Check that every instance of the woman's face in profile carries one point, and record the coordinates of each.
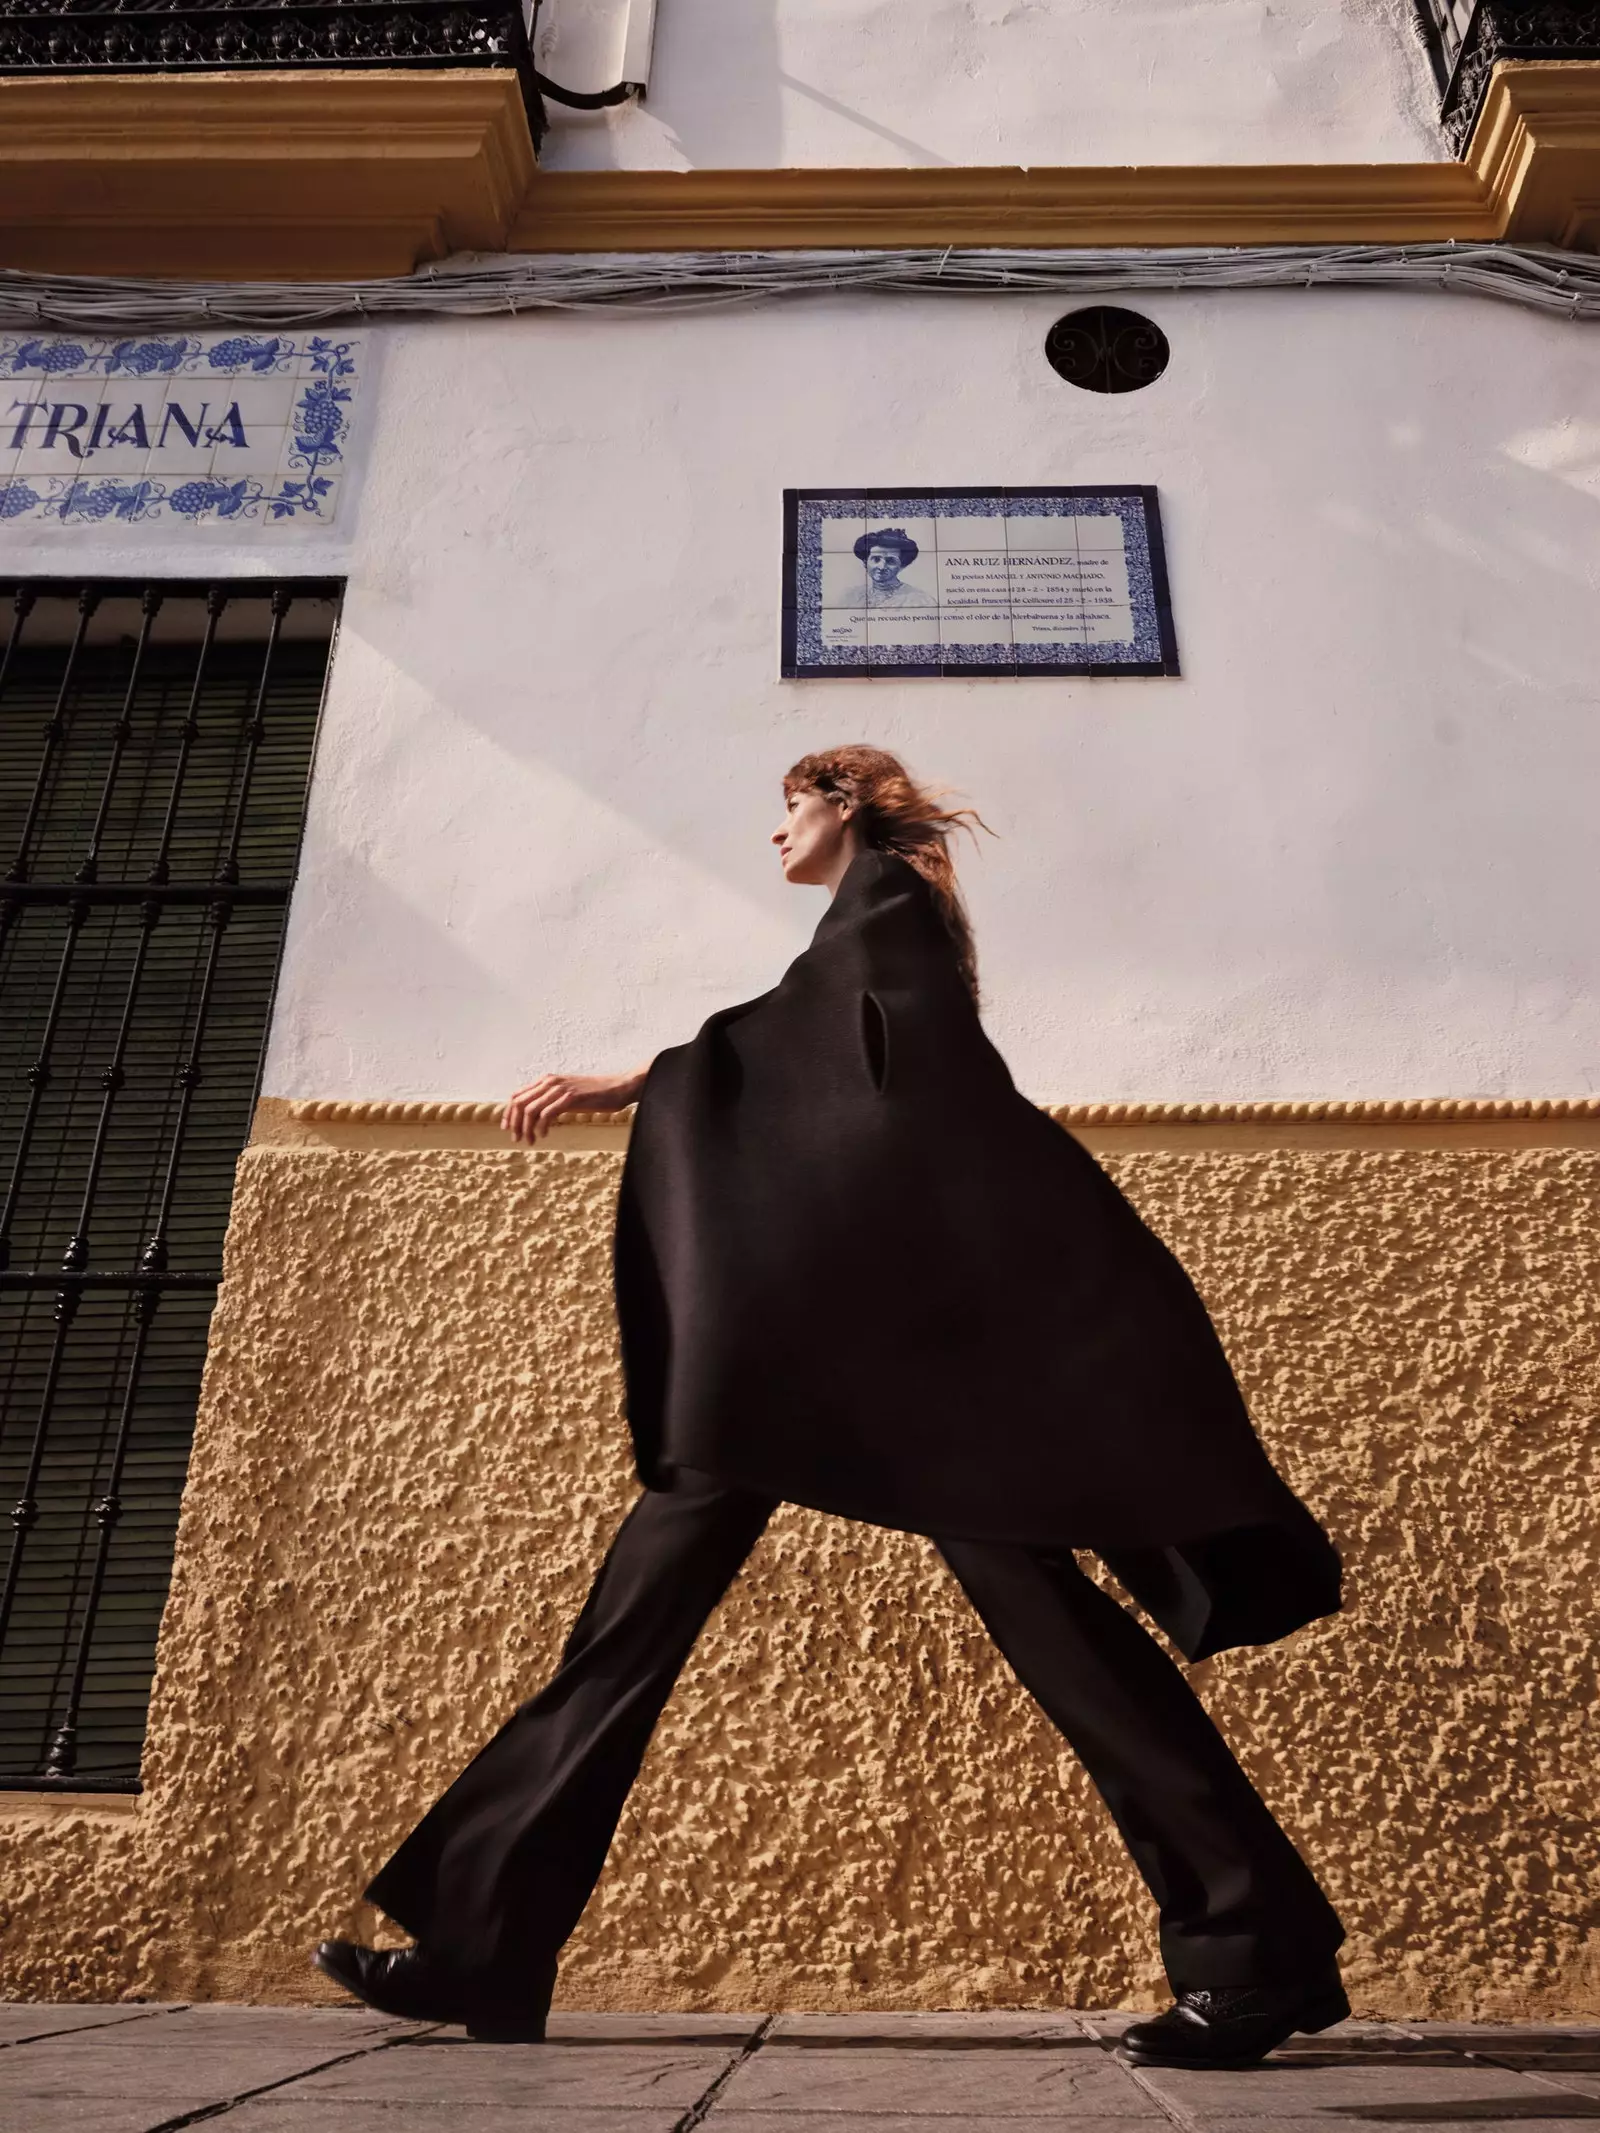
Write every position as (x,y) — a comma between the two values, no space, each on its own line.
(809,837)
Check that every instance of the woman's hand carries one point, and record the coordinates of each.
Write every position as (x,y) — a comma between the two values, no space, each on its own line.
(534,1110)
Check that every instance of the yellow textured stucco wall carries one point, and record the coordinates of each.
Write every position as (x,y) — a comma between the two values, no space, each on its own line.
(410,1458)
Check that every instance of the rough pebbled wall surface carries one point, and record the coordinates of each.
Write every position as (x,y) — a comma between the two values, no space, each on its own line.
(410,1457)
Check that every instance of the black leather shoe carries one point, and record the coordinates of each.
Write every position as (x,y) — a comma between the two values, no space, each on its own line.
(396,1981)
(1237,2028)
(409,1983)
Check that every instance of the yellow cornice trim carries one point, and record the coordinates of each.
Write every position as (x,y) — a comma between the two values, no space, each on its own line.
(323,175)
(751,210)
(1365,1110)
(297,173)
(1531,171)
(325,1126)
(1385,1110)
(1536,151)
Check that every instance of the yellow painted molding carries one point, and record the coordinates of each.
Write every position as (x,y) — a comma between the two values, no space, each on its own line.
(1114,1129)
(284,1123)
(1531,172)
(295,173)
(1355,1110)
(1394,1124)
(333,1111)
(325,175)
(50,1807)
(1536,151)
(1149,204)
(1366,1110)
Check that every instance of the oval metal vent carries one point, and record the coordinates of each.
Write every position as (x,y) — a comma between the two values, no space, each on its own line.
(1106,350)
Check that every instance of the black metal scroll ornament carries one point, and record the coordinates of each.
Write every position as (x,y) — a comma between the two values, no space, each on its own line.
(1106,350)
(1466,46)
(175,36)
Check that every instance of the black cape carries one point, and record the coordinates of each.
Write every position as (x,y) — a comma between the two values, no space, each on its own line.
(856,1269)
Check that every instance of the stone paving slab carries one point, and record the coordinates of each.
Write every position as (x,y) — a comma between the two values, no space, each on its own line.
(283,2113)
(90,2114)
(1474,2033)
(1372,2040)
(293,2029)
(1492,2037)
(218,2071)
(894,2122)
(733,2030)
(1576,2081)
(1577,2052)
(134,2076)
(148,2069)
(1372,2089)
(1565,2053)
(447,2068)
(1076,2080)
(956,2032)
(20,2025)
(1531,2115)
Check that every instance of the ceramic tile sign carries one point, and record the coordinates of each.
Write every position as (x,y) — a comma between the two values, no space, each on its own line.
(975,581)
(223,432)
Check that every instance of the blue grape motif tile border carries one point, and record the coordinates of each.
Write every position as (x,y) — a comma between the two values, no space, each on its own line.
(1134,634)
(189,430)
(133,502)
(54,355)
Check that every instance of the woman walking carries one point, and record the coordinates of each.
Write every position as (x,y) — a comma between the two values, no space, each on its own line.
(857,1270)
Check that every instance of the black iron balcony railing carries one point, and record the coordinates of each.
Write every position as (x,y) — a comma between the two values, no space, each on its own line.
(197,36)
(1466,38)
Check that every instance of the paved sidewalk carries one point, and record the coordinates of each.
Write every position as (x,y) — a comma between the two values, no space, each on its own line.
(150,2069)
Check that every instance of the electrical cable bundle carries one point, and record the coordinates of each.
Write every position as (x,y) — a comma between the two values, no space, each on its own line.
(1539,278)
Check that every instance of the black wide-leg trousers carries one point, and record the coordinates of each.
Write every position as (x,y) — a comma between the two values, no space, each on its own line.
(497,1873)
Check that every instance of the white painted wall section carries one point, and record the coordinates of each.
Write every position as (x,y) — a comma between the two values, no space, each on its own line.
(758,84)
(1350,852)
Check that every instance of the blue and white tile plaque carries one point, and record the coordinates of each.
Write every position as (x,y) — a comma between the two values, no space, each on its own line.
(975,581)
(223,430)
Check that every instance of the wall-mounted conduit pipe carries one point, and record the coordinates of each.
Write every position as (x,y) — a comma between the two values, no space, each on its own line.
(638,41)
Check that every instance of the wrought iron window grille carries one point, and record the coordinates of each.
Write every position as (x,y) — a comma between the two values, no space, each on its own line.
(155,745)
(197,36)
(1466,37)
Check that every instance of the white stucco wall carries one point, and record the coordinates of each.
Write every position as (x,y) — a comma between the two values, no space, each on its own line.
(1350,853)
(757,83)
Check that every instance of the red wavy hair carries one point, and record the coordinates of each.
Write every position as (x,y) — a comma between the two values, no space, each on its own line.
(897,814)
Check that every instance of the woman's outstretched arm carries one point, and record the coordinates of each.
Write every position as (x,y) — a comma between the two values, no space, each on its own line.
(534,1110)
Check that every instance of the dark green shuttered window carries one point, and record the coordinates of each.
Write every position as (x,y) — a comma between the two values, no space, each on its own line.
(155,743)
